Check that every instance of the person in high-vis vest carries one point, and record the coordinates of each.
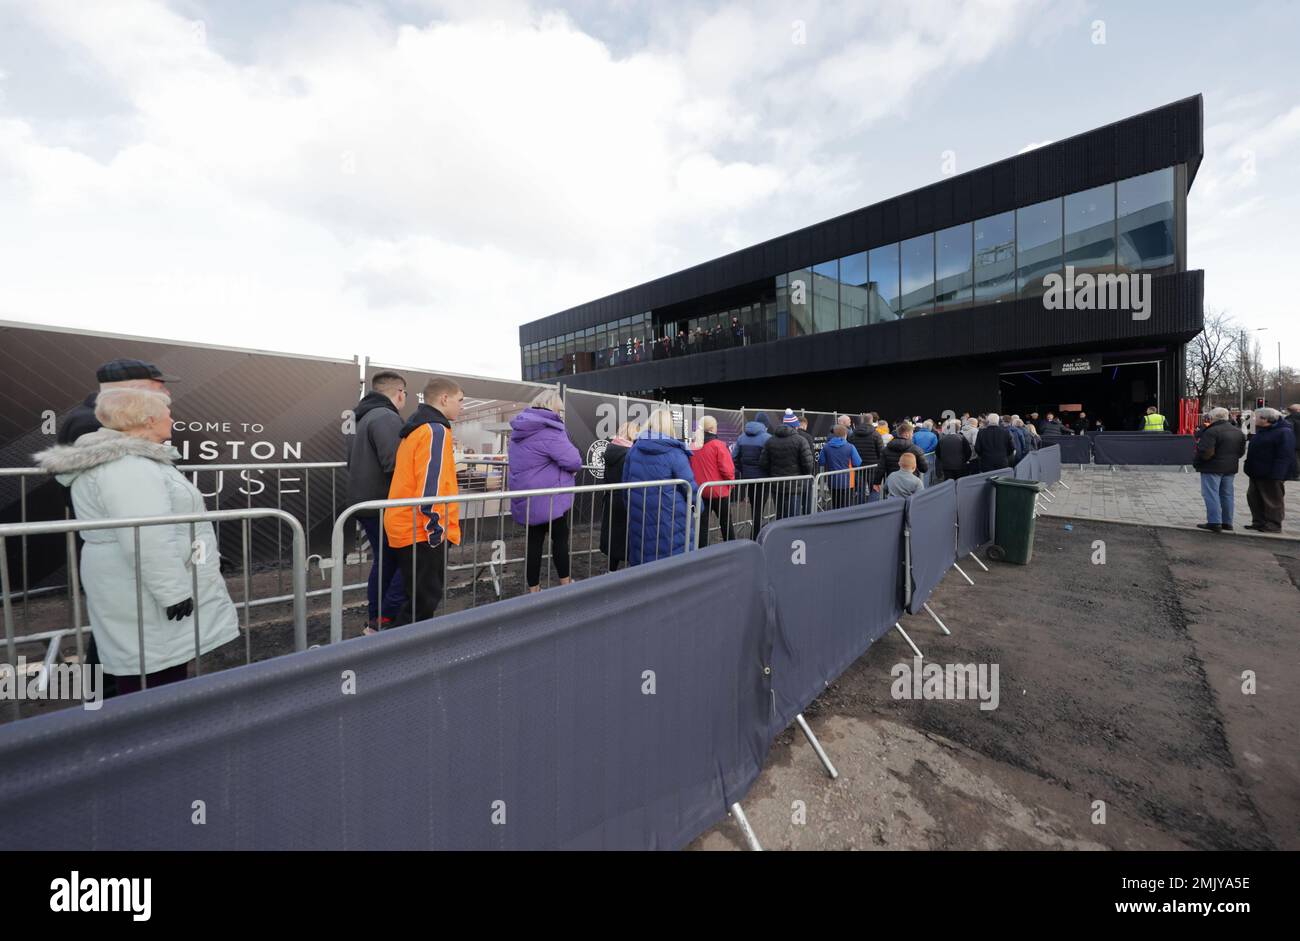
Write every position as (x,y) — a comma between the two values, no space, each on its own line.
(425,466)
(1154,420)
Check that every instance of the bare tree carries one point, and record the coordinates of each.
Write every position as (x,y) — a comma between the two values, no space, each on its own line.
(1210,353)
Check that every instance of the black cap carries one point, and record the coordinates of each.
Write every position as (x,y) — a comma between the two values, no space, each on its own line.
(120,370)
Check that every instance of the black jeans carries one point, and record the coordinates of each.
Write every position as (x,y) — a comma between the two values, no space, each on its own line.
(424,577)
(722,508)
(559,530)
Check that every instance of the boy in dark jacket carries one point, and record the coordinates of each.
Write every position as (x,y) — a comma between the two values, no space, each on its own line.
(839,455)
(1219,448)
(1270,461)
(746,453)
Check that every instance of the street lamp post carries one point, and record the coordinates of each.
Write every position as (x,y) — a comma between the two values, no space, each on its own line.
(1241,372)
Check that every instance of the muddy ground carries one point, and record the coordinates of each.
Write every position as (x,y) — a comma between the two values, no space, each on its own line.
(1119,682)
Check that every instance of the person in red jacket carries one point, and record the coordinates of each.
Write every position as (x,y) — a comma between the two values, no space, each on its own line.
(711,461)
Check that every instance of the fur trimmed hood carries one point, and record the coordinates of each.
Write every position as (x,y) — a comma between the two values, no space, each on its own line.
(99,447)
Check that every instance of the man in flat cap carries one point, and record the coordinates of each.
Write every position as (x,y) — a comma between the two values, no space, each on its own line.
(119,374)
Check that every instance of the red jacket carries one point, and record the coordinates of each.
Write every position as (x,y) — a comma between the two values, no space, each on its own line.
(713,462)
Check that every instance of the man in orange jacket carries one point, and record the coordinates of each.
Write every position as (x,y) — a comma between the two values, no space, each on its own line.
(425,467)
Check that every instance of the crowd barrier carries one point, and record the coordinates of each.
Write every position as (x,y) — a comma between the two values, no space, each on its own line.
(71,527)
(931,544)
(494,557)
(1075,449)
(595,716)
(602,714)
(1140,448)
(837,587)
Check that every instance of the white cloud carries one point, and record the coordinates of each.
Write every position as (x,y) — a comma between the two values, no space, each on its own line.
(352,185)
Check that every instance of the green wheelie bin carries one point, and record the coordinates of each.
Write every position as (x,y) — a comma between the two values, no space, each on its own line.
(1013,519)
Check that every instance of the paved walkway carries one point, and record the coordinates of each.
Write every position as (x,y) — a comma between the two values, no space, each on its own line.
(1156,497)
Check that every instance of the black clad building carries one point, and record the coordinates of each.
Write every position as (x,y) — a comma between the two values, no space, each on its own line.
(1051,280)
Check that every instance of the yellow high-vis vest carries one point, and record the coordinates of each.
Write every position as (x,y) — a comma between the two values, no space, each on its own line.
(1155,422)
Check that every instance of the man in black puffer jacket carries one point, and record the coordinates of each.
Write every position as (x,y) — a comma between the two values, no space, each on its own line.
(900,444)
(870,447)
(787,454)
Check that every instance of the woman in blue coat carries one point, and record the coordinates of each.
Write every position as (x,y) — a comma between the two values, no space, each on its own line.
(658,517)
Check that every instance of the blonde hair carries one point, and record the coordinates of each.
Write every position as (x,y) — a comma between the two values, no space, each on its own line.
(551,400)
(128,409)
(628,430)
(706,424)
(660,423)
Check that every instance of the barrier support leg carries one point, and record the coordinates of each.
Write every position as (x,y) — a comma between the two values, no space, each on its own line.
(963,574)
(977,561)
(745,828)
(943,627)
(816,746)
(915,649)
(1046,491)
(1064,484)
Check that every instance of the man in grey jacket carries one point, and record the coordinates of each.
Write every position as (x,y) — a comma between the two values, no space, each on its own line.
(372,450)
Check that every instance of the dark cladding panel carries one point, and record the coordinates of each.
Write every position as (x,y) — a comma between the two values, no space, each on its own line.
(1162,137)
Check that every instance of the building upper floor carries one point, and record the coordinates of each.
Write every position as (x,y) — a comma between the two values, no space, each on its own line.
(1108,201)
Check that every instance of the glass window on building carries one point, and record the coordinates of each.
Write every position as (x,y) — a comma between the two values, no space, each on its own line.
(826,296)
(882,299)
(781,322)
(854,289)
(995,258)
(1038,246)
(801,303)
(1090,230)
(1146,221)
(916,297)
(953,271)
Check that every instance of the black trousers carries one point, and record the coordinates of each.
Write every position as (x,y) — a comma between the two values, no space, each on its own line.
(841,497)
(559,530)
(1266,499)
(424,577)
(720,507)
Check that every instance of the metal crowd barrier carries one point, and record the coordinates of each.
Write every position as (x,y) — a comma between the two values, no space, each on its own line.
(194,471)
(851,486)
(71,527)
(766,499)
(499,557)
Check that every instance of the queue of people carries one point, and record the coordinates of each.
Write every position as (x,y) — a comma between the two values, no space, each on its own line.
(112,455)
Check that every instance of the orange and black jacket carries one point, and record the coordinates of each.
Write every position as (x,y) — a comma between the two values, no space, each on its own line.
(424,467)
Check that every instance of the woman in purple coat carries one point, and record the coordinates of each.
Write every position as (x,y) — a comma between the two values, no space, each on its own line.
(542,456)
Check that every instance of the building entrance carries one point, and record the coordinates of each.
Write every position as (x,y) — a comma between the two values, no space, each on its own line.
(1118,395)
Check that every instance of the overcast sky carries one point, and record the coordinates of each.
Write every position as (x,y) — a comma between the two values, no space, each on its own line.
(412,180)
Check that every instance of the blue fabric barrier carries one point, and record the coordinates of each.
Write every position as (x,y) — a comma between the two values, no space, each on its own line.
(1151,448)
(932,523)
(975,510)
(537,702)
(1028,468)
(1075,449)
(829,608)
(1049,464)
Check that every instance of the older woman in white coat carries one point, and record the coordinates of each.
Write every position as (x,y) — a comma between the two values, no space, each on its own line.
(125,470)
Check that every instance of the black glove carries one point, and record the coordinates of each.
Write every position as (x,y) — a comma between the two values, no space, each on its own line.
(181,610)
